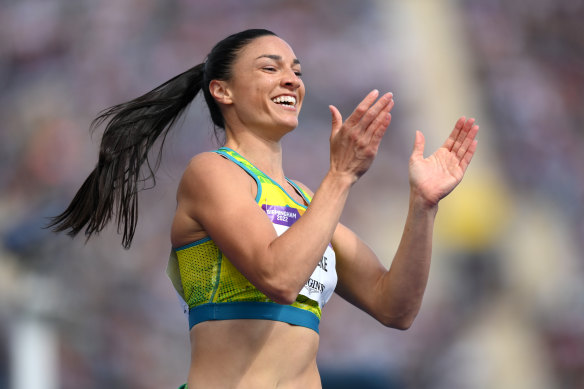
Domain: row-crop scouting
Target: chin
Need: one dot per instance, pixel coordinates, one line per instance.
(287, 123)
(289, 126)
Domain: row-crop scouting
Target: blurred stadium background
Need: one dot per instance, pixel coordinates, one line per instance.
(505, 303)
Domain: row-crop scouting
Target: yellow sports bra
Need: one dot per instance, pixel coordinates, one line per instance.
(211, 288)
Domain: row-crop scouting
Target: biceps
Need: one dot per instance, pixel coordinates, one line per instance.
(220, 198)
(228, 214)
(240, 229)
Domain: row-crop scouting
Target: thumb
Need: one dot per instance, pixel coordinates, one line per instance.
(419, 143)
(337, 119)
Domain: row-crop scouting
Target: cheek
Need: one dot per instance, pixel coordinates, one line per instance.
(302, 89)
(301, 94)
(263, 88)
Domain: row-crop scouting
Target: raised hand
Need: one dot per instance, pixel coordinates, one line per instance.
(355, 142)
(433, 178)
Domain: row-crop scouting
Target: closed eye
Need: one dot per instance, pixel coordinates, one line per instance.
(273, 69)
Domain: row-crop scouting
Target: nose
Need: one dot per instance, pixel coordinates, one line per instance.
(291, 80)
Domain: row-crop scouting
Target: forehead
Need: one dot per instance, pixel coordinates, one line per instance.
(267, 45)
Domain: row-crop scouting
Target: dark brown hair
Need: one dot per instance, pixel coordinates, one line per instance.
(134, 126)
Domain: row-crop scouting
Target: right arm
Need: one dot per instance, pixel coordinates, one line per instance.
(211, 190)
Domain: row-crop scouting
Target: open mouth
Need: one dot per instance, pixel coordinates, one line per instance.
(289, 101)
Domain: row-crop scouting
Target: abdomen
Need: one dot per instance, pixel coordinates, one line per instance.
(253, 354)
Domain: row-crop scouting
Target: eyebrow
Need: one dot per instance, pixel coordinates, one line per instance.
(275, 57)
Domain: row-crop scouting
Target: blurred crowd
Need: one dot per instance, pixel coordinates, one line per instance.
(116, 318)
(530, 63)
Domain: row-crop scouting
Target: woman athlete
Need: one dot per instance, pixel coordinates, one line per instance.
(255, 255)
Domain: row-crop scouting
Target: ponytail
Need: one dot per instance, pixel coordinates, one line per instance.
(112, 187)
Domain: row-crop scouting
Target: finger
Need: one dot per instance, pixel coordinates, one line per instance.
(419, 143)
(377, 128)
(337, 120)
(362, 108)
(470, 137)
(454, 134)
(366, 123)
(462, 134)
(465, 161)
(377, 135)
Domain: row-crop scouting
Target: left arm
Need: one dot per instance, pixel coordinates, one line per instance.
(394, 297)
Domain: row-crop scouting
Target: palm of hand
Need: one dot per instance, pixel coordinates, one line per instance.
(435, 177)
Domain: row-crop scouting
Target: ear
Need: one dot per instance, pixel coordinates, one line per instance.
(220, 91)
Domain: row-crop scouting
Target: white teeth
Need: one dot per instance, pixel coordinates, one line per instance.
(288, 100)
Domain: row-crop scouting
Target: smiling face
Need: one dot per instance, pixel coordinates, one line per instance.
(265, 92)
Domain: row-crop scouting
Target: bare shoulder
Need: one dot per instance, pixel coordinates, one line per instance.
(208, 183)
(210, 170)
(210, 178)
(208, 162)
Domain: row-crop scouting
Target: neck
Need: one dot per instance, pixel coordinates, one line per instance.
(265, 154)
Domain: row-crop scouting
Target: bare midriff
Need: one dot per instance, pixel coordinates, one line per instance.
(253, 354)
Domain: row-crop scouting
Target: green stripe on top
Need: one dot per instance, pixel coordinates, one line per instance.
(261, 176)
(248, 166)
(255, 173)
